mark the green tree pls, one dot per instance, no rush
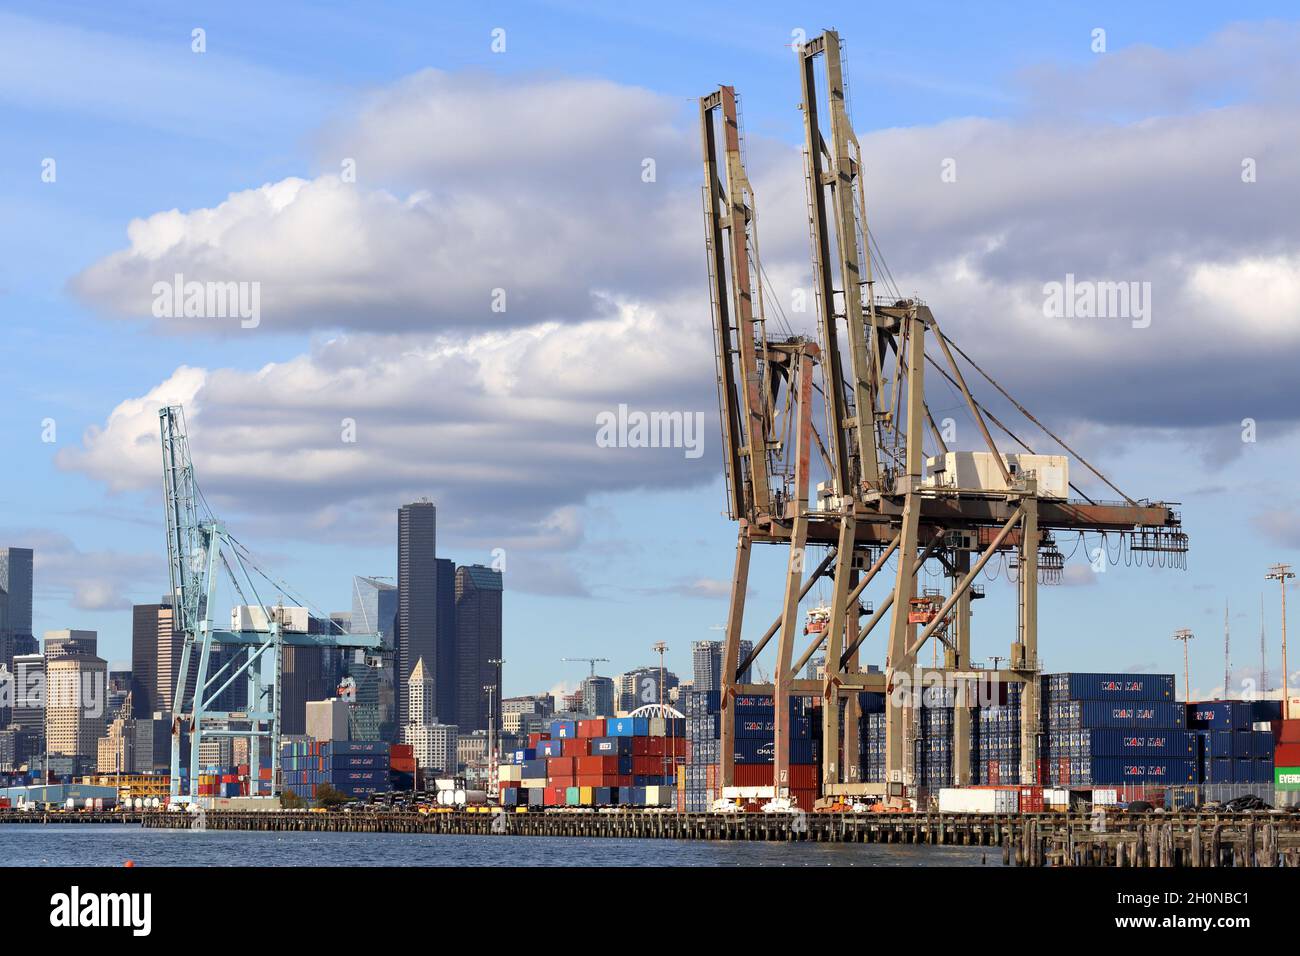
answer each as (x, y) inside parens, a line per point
(291, 801)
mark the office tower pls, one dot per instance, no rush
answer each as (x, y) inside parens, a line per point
(434, 744)
(598, 696)
(28, 714)
(156, 660)
(302, 678)
(417, 594)
(119, 693)
(478, 642)
(640, 686)
(447, 667)
(374, 608)
(76, 698)
(68, 643)
(706, 656)
(15, 603)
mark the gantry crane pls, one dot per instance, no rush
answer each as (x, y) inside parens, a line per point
(198, 547)
(869, 365)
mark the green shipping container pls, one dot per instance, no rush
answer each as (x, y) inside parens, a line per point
(572, 796)
(1286, 778)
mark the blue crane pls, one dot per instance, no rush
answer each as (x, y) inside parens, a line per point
(199, 547)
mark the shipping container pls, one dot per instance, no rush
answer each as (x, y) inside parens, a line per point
(978, 800)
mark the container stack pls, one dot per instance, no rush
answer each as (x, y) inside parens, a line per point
(233, 781)
(755, 749)
(1116, 729)
(995, 738)
(401, 767)
(1286, 756)
(353, 767)
(697, 781)
(1230, 748)
(871, 737)
(603, 762)
(934, 739)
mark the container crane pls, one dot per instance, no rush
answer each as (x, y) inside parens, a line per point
(593, 661)
(868, 364)
(199, 547)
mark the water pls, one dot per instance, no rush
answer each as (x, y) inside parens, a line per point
(98, 844)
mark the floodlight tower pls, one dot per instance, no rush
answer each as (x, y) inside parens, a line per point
(1185, 635)
(1281, 573)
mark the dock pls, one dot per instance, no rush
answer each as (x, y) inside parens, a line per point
(1047, 839)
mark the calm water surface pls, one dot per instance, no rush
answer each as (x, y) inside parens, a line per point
(113, 844)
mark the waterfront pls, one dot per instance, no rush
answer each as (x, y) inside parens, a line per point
(113, 845)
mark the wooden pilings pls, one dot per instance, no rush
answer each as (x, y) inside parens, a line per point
(1049, 839)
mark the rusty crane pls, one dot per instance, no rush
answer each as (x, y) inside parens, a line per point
(867, 369)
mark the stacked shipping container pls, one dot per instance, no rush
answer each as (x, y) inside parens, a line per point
(1229, 749)
(353, 767)
(616, 761)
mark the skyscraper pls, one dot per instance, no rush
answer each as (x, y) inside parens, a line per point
(156, 660)
(417, 595)
(706, 656)
(478, 641)
(67, 643)
(447, 666)
(76, 703)
(15, 603)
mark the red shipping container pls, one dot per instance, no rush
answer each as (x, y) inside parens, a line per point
(803, 776)
(401, 751)
(591, 728)
(561, 780)
(561, 766)
(646, 746)
(593, 765)
(535, 739)
(595, 780)
(1287, 755)
(753, 775)
(264, 773)
(554, 797)
(576, 747)
(653, 766)
(1287, 731)
(1031, 800)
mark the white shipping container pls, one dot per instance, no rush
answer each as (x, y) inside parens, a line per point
(533, 783)
(660, 796)
(1056, 797)
(1105, 798)
(967, 800)
(510, 772)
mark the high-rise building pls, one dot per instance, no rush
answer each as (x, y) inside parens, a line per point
(69, 643)
(28, 714)
(478, 642)
(640, 686)
(15, 604)
(706, 656)
(374, 608)
(598, 696)
(433, 743)
(446, 669)
(156, 660)
(76, 699)
(374, 611)
(417, 594)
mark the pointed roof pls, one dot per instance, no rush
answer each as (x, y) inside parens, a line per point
(420, 674)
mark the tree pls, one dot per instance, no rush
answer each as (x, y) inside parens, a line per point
(328, 798)
(291, 801)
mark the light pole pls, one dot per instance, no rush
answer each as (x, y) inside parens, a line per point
(1280, 573)
(1185, 635)
(492, 725)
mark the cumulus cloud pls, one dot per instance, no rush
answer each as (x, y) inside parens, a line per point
(493, 413)
(453, 222)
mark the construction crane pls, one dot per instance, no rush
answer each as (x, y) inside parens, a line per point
(199, 547)
(868, 366)
(593, 661)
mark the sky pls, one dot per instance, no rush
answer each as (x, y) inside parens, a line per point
(460, 264)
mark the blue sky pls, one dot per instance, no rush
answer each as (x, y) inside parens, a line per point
(611, 554)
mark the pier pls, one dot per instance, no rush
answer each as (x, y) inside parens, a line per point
(1049, 839)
